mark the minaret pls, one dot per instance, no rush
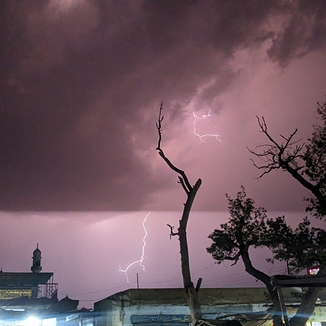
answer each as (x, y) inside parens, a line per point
(36, 268)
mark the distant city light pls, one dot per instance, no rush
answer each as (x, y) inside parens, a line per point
(313, 270)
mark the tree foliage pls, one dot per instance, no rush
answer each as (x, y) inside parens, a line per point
(249, 226)
(245, 228)
(304, 162)
(301, 247)
(315, 163)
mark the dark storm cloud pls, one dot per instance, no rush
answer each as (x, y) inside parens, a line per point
(303, 32)
(82, 81)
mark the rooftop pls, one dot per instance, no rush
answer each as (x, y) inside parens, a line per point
(23, 279)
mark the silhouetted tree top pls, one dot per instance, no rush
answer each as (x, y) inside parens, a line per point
(305, 162)
(249, 227)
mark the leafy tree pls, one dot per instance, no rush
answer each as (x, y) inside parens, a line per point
(305, 163)
(300, 248)
(191, 191)
(249, 227)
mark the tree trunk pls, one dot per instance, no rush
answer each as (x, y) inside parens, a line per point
(191, 293)
(306, 307)
(191, 191)
(264, 278)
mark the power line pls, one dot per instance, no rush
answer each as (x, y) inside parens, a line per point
(227, 280)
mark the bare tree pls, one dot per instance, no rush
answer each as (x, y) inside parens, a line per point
(191, 291)
(305, 163)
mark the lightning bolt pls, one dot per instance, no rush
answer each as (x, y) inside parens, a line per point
(142, 257)
(201, 136)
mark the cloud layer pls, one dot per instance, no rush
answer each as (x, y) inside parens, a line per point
(82, 82)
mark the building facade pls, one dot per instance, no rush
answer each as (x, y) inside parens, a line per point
(26, 295)
(168, 307)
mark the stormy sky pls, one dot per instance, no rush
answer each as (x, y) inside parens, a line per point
(82, 82)
(81, 86)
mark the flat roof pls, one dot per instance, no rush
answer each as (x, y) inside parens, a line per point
(19, 280)
(303, 281)
(207, 296)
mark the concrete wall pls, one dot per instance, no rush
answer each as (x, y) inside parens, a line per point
(163, 304)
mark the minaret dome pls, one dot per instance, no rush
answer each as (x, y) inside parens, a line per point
(36, 268)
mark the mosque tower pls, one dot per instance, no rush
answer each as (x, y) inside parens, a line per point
(36, 268)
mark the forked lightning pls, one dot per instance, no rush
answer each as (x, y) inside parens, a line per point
(142, 257)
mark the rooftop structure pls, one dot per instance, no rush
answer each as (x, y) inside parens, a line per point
(220, 306)
(26, 294)
(33, 284)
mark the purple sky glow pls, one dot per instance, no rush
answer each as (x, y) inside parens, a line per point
(81, 85)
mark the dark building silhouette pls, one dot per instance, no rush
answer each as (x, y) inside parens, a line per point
(36, 267)
(26, 293)
(33, 285)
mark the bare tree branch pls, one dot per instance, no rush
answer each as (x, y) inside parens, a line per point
(190, 191)
(171, 231)
(183, 177)
(287, 156)
(159, 126)
(277, 155)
